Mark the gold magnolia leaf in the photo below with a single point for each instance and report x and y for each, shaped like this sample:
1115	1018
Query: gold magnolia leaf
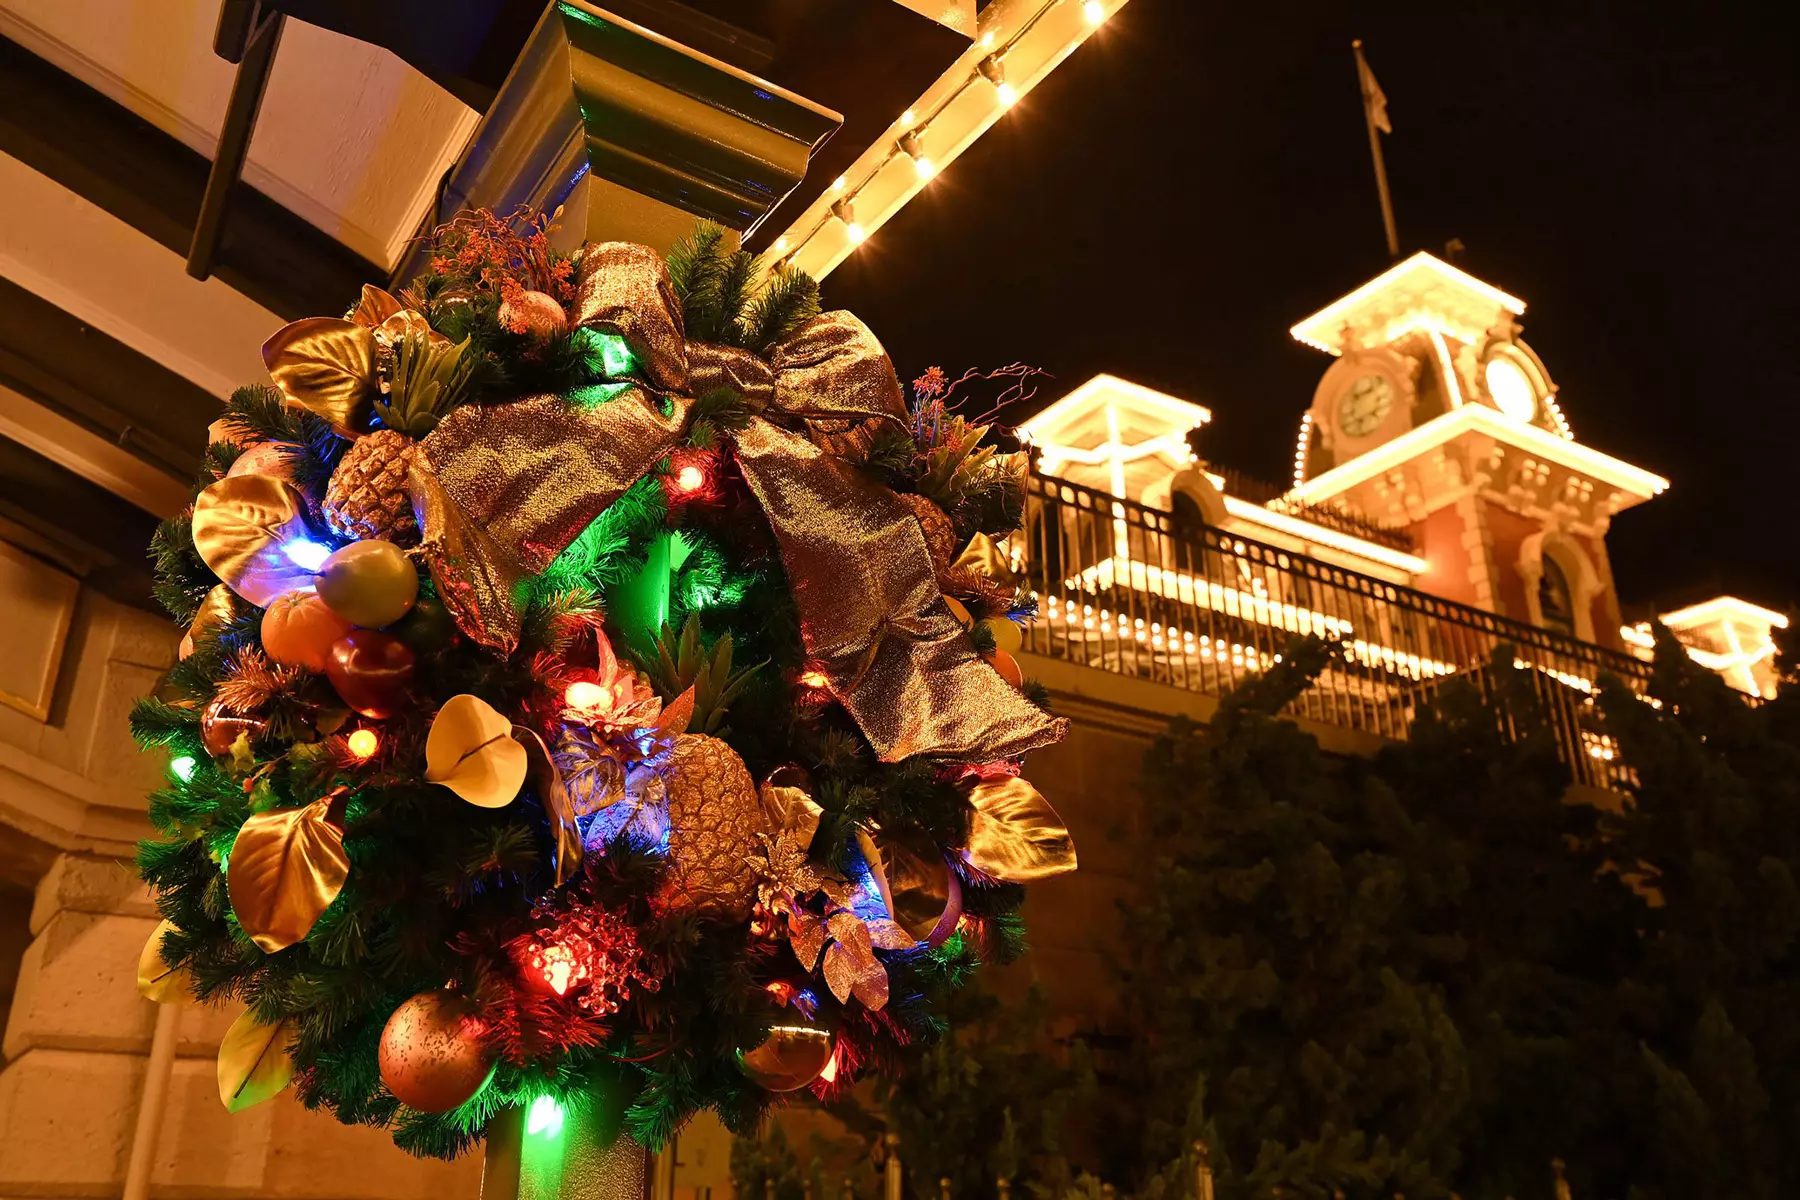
326	365
674	719
1015	835
921	890
565	834
286	868
376	306
985	557
219	607
791	810
254	1063
242	525
471	751
156	979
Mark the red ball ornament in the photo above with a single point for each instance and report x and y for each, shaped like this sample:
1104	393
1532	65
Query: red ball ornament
370	670
432	1054
220	729
298	629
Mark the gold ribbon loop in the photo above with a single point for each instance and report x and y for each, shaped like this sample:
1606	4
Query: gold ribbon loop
505	488
625	288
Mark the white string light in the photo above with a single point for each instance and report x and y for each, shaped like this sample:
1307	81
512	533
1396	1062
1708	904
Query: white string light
990	69
1306	422
913	148
994	71
845	210
1556	415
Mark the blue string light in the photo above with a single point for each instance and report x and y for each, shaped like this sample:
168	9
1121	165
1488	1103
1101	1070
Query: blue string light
305	553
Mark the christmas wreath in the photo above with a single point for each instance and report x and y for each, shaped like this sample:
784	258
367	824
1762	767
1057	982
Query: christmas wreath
596	676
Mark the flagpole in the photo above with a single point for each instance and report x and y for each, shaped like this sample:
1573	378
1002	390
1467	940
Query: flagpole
1364	78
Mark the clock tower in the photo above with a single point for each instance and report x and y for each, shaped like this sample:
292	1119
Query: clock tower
1437	417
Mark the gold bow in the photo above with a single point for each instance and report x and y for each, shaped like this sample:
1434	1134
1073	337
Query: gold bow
500	490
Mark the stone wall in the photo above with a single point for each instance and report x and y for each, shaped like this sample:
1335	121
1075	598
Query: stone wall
73	919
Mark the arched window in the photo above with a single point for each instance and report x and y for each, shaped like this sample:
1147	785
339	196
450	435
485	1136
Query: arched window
1556	600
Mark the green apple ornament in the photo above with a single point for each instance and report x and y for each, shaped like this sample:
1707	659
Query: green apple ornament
370	583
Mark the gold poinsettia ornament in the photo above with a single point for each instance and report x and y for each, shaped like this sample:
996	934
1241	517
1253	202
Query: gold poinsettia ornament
824	930
616	732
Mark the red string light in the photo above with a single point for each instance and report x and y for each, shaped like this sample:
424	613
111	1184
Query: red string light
692	476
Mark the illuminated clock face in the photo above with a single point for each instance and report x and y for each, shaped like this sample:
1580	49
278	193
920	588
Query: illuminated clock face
1511	389
1365	405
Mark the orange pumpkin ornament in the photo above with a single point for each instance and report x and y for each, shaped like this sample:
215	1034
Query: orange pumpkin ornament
299	628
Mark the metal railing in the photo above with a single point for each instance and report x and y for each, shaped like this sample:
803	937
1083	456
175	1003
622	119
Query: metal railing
1329	514
1131	590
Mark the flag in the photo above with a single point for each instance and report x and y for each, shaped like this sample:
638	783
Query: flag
1374	99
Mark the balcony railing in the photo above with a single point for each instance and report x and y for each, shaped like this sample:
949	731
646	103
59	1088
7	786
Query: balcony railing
1330	514
1129	589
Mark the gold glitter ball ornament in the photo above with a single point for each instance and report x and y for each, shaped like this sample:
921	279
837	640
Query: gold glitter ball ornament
795	1053
715	816
432	1056
367	496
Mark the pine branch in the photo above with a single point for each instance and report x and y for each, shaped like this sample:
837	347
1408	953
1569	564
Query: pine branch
737	287
789	300
158	723
697	266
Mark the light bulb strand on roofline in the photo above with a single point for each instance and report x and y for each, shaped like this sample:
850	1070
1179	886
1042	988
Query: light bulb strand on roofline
990	69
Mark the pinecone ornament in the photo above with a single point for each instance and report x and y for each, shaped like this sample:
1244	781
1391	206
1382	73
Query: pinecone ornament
367	496
715	816
942	543
939	531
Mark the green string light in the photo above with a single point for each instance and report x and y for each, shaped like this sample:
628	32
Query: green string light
607	354
544	1118
183	767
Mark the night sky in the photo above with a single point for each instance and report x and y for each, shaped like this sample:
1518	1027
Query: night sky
1196	178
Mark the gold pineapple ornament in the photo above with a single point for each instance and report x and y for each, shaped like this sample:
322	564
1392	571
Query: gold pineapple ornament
715	816
367	495
424	377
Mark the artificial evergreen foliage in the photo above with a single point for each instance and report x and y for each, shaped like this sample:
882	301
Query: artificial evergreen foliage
674	600
726	296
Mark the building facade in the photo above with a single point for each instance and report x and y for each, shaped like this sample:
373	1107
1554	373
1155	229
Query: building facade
1442	512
